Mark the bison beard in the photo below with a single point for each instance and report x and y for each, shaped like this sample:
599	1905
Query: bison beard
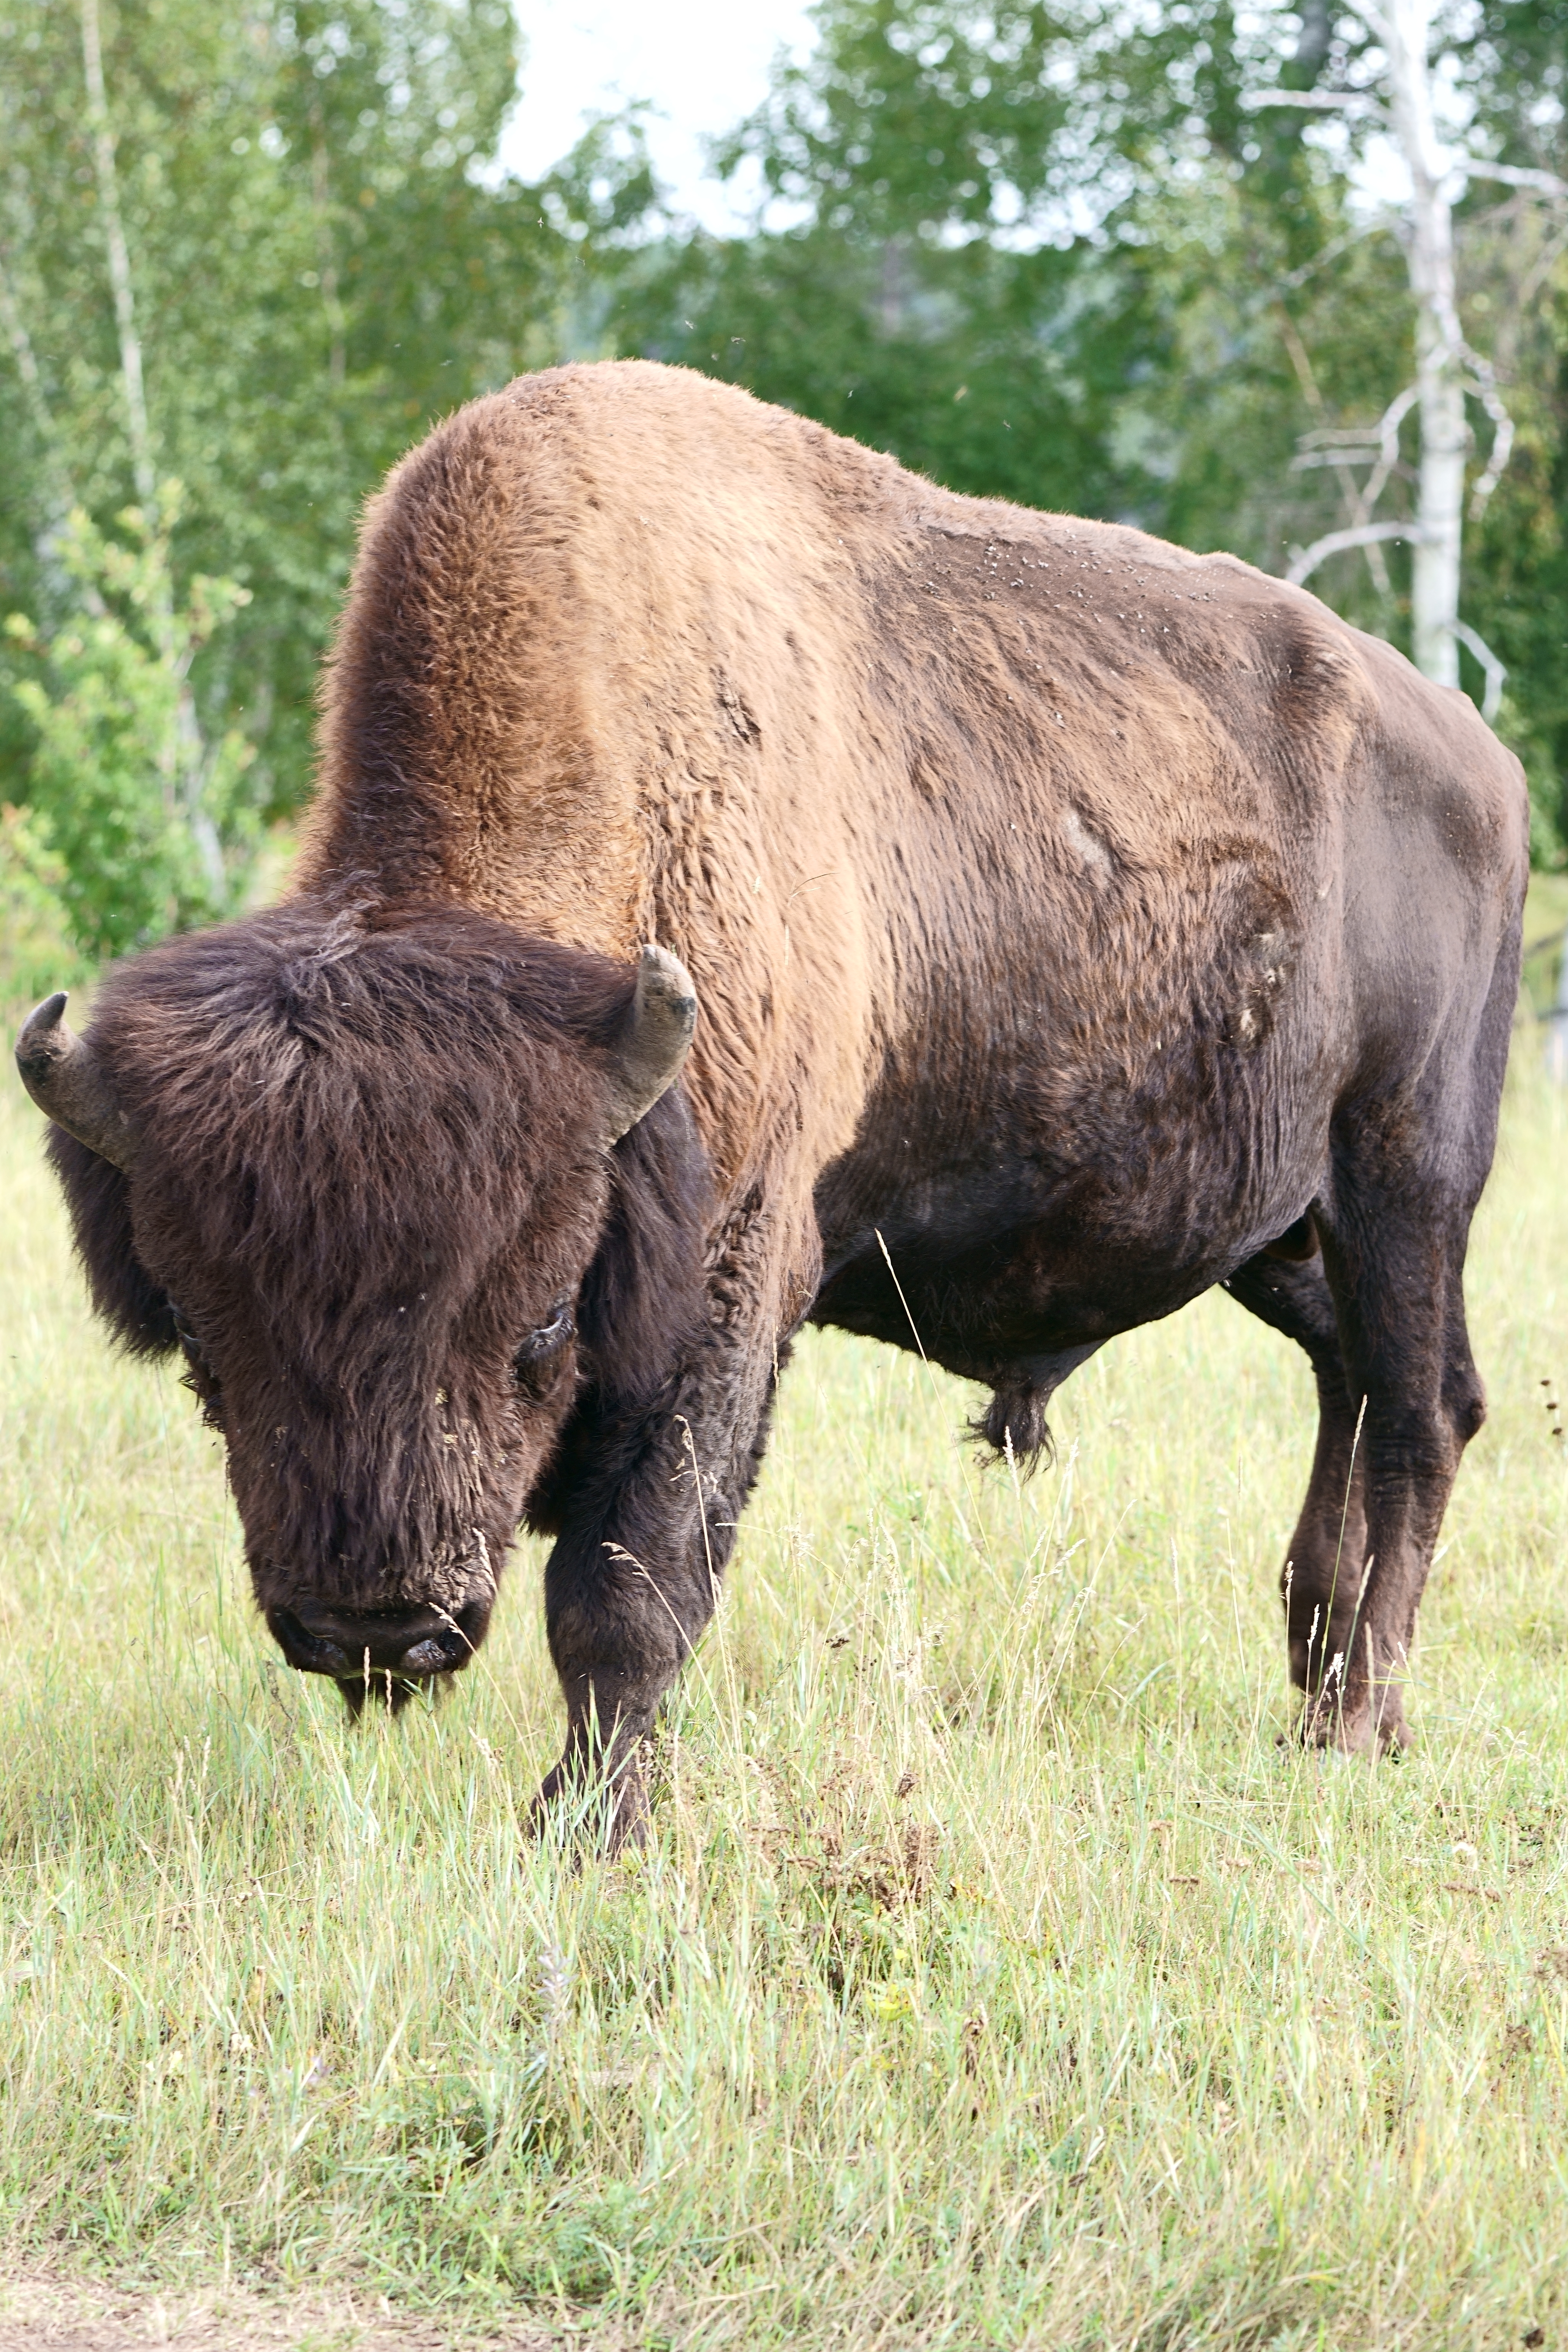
1076	924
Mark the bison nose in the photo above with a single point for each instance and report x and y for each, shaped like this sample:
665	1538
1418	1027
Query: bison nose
319	1639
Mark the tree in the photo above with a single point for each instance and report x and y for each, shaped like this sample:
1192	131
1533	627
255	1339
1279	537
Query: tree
1447	367
313	260
132	805
1018	240
926	297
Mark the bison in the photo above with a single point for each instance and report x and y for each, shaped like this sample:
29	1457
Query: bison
1051	924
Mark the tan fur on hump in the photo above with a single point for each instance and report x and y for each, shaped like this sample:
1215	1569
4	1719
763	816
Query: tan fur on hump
588	612
629	654
546	594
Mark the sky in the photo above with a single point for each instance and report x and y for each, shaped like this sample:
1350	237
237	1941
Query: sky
703	64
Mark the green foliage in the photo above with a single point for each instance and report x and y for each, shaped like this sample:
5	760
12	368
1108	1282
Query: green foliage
38	953
138	809
912	118
1027	256
323	263
989	370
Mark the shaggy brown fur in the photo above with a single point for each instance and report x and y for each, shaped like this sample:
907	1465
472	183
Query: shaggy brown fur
354	1262
1076	923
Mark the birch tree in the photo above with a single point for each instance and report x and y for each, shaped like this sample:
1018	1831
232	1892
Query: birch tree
1398	96
123	781
184	764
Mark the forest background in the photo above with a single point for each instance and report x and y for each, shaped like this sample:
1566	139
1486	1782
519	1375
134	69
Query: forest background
250	251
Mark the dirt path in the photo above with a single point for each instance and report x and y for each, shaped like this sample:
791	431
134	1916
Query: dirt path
41	2312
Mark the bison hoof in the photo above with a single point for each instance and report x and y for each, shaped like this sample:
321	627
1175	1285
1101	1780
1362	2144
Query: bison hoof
1352	1726
603	1812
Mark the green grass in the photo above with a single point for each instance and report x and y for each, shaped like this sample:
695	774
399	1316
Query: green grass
994	1978
1545	921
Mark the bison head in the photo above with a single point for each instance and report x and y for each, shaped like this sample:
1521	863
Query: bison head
363	1170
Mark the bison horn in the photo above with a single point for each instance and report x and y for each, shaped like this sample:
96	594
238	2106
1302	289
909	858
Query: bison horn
653	1042
65	1080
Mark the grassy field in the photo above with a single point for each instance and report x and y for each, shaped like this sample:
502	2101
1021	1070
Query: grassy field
996	1977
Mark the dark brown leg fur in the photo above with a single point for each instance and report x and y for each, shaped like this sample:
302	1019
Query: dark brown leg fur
1382	1316
1321	1579
644	1535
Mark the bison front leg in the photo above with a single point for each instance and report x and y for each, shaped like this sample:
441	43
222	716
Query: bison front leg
645	1529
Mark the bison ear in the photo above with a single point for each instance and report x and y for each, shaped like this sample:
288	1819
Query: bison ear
653	1042
98	1196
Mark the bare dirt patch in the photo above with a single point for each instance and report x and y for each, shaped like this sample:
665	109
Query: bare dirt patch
43	2312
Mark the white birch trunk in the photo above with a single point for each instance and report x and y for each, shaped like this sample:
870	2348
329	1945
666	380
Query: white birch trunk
1404	27
184	763
140	431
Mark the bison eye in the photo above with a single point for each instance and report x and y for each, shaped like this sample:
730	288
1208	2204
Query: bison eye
547	1338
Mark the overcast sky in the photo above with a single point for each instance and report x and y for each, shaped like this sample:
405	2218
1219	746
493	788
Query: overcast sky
703	63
